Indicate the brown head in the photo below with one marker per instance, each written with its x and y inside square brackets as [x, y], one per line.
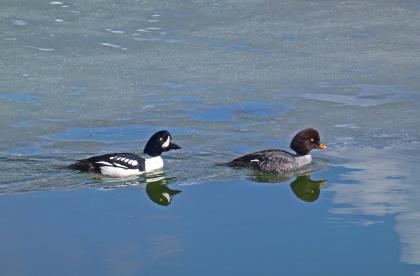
[305, 141]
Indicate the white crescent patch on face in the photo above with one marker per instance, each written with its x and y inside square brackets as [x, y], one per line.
[166, 144]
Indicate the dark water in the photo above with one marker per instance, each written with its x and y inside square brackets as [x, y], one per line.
[226, 78]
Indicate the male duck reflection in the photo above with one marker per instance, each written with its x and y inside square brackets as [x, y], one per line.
[281, 161]
[129, 164]
[307, 189]
[158, 191]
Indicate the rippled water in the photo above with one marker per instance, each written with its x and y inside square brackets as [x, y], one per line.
[226, 78]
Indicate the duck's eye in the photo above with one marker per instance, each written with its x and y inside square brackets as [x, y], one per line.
[161, 139]
[312, 140]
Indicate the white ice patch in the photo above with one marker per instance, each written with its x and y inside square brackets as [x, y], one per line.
[166, 144]
[119, 172]
[153, 164]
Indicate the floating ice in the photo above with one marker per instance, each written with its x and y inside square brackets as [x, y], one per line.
[114, 31]
[38, 48]
[145, 39]
[115, 46]
[46, 49]
[19, 23]
[110, 45]
[354, 126]
[19, 98]
[23, 124]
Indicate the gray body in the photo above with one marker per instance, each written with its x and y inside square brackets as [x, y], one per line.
[272, 161]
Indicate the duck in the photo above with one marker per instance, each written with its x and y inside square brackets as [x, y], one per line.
[123, 164]
[281, 161]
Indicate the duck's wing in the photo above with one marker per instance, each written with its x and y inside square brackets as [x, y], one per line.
[266, 160]
[120, 160]
[277, 162]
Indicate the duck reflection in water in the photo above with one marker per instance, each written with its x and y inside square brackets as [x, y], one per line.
[307, 189]
[303, 186]
[158, 191]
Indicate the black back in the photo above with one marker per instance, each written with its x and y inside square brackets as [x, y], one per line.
[94, 163]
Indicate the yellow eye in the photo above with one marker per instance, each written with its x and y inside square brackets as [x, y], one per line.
[161, 139]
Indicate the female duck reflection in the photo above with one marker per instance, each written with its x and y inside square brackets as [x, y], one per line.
[302, 186]
[306, 189]
[158, 191]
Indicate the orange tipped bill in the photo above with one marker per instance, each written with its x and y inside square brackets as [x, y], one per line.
[322, 146]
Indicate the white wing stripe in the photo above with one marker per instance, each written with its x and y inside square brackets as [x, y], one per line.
[121, 166]
[104, 163]
[133, 162]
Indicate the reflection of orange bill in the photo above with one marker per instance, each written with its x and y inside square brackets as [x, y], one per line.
[322, 146]
[322, 182]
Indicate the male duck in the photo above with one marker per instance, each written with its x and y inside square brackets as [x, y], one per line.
[129, 164]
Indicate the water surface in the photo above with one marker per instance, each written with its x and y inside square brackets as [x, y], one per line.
[226, 78]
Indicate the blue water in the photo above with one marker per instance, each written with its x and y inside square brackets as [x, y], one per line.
[225, 78]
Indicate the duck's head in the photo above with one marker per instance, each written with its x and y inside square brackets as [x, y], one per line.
[305, 141]
[159, 142]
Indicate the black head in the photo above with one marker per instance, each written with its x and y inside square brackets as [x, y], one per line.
[159, 142]
[305, 141]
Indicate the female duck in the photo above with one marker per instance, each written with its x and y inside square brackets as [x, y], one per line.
[129, 164]
[281, 161]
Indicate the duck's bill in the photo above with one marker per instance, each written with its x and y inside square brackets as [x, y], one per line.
[174, 146]
[322, 146]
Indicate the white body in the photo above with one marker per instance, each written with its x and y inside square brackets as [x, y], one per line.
[151, 164]
[119, 172]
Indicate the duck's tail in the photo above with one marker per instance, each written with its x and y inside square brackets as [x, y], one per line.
[82, 165]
